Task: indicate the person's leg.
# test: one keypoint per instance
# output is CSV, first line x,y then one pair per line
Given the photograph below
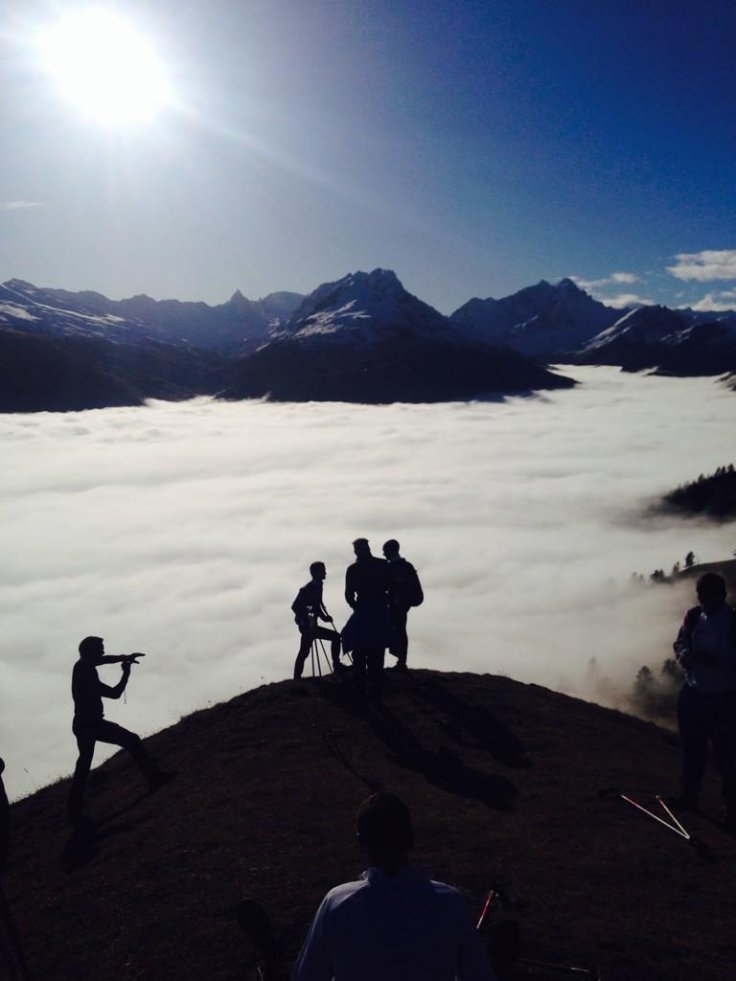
x,y
400,637
109,732
323,633
722,725
359,667
86,746
375,658
693,726
301,657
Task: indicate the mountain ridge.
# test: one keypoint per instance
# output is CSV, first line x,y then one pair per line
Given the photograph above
x,y
361,338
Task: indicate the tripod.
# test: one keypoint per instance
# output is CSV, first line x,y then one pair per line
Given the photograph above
x,y
316,653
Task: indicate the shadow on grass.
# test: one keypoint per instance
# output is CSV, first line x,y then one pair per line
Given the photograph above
x,y
441,767
84,842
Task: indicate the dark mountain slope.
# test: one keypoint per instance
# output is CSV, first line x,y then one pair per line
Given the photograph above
x,y
510,784
365,338
671,341
49,373
545,321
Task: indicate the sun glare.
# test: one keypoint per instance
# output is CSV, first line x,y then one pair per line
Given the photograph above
x,y
105,67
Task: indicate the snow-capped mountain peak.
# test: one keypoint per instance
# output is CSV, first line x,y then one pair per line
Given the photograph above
x,y
363,307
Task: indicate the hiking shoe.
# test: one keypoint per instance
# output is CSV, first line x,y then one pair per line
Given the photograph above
x,y
401,667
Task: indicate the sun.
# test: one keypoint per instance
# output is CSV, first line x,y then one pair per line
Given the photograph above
x,y
105,67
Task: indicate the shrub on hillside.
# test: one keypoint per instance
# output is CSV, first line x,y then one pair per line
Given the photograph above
x,y
655,695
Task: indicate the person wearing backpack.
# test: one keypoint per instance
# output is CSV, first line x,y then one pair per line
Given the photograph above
x,y
706,709
405,591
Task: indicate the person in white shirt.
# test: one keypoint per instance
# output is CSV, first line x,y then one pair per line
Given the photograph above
x,y
706,709
394,923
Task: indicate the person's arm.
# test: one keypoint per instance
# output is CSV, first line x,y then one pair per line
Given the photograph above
x,y
4,822
115,691
349,588
321,609
297,606
314,962
683,644
118,658
685,649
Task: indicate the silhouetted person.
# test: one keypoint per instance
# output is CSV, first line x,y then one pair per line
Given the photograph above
x,y
308,608
706,709
368,631
90,726
404,591
4,821
394,923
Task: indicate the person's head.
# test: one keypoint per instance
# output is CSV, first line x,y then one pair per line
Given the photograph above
x,y
711,590
361,547
317,570
91,648
391,549
385,830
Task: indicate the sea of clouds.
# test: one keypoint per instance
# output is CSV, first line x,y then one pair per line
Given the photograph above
x,y
185,530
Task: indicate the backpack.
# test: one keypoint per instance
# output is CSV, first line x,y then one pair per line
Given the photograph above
x,y
413,593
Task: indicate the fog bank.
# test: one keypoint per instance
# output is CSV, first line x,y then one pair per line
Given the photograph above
x,y
185,531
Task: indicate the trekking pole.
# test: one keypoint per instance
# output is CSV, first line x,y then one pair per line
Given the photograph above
x,y
679,830
663,804
490,896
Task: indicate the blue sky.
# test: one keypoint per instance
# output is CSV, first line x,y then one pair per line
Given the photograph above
x,y
473,147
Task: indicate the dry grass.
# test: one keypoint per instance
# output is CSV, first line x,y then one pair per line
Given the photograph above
x,y
509,784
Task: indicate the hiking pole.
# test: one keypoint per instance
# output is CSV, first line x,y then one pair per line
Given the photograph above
x,y
504,944
663,804
490,896
679,830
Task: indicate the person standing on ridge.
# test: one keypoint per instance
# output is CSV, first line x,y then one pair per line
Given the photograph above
x,y
4,821
394,923
706,709
308,607
405,591
368,631
90,726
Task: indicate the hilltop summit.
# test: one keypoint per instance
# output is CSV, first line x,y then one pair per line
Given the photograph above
x,y
511,785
